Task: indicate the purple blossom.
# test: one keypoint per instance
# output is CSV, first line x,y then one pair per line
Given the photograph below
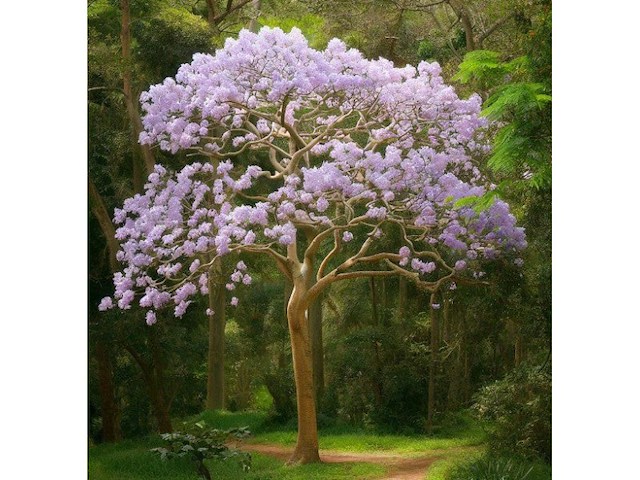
x,y
234,301
460,265
150,317
236,276
422,267
427,139
105,304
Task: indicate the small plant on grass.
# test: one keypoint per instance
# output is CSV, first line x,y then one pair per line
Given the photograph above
x,y
199,443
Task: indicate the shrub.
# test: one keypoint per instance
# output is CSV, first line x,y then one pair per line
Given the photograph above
x,y
518,411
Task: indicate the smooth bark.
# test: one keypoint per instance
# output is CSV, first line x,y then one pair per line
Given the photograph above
x,y
306,449
217,322
433,363
317,348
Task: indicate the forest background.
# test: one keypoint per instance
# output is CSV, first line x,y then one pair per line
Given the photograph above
x,y
60,255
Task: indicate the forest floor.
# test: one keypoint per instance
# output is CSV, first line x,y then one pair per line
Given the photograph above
x,y
399,467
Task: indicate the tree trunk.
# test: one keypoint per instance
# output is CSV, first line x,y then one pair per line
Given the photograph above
x,y
110,416
402,298
159,406
317,348
306,450
433,363
395,35
465,18
374,301
211,12
384,301
253,24
131,101
517,351
215,363
157,390
314,315
466,367
446,320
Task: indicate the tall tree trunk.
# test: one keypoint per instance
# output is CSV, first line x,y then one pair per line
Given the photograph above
x,y
217,321
446,319
314,316
110,412
160,407
466,366
395,34
110,415
433,362
253,24
211,12
374,301
516,331
131,101
157,387
465,18
402,298
517,351
306,450
317,347
384,302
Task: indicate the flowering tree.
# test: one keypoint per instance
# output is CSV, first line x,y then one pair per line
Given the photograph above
x,y
348,153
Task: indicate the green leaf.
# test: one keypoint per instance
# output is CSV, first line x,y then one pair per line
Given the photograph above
x,y
481,65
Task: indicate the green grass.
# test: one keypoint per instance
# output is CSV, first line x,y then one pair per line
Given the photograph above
x,y
347,438
443,469
132,460
440,468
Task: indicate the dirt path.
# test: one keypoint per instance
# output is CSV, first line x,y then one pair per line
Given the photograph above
x,y
399,467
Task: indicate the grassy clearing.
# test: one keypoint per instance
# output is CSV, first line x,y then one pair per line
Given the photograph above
x,y
132,460
440,468
347,438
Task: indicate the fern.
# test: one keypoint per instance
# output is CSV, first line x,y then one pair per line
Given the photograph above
x,y
521,110
515,98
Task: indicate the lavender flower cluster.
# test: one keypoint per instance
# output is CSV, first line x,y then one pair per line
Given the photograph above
x,y
416,160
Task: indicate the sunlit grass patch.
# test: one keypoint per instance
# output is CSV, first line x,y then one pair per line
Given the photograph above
x,y
132,460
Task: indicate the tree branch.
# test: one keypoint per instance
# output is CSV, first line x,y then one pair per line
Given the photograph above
x,y
230,9
99,210
494,27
